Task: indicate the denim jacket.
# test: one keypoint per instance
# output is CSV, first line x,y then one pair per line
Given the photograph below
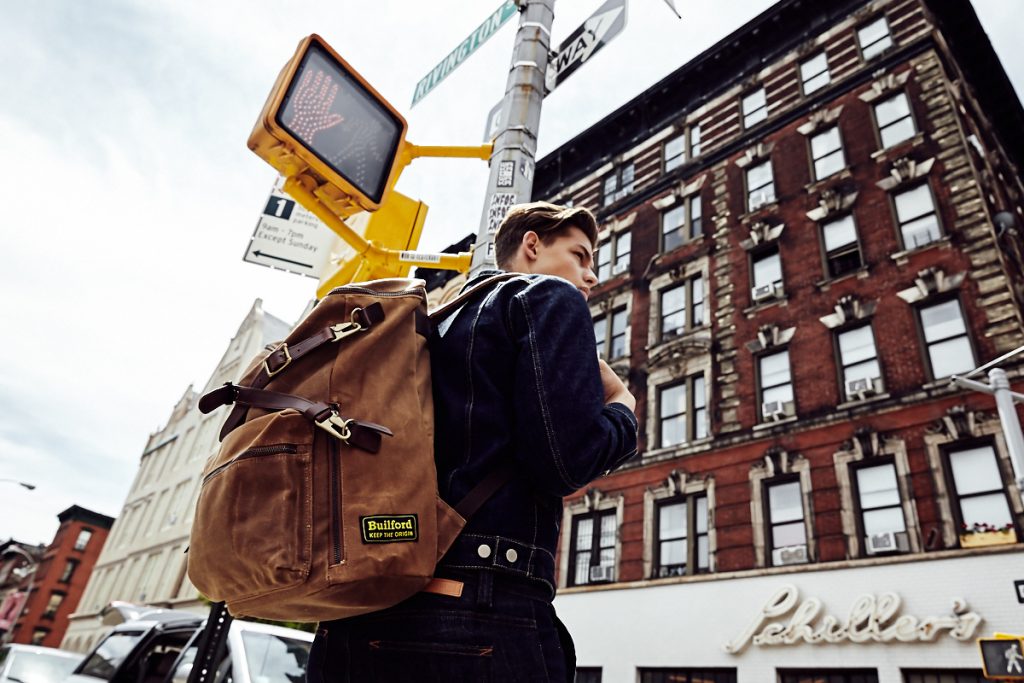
x,y
515,376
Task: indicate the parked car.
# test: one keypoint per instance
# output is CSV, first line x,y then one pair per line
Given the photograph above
x,y
34,664
159,646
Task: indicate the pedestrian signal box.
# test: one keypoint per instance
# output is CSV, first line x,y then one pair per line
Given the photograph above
x,y
324,120
1003,657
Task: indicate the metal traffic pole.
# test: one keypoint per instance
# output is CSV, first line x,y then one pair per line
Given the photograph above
x,y
515,148
999,387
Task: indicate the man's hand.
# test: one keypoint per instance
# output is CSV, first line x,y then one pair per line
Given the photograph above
x,y
614,390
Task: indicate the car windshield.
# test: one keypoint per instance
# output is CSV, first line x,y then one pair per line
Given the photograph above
x,y
40,667
274,658
110,653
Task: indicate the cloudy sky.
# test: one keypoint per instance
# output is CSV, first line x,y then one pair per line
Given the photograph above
x,y
129,196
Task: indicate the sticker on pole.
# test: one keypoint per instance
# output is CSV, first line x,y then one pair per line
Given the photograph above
x,y
501,202
418,256
290,238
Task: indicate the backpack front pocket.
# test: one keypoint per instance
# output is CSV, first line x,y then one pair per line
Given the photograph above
x,y
252,532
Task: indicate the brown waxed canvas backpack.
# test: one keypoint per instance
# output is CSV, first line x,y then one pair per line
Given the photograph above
x,y
322,501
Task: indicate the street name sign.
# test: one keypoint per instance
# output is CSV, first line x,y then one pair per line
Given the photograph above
x,y
603,25
290,238
467,47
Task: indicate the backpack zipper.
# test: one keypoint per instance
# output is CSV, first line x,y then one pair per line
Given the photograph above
x,y
355,289
255,452
335,467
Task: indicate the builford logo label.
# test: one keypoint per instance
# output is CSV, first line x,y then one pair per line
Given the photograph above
x,y
389,528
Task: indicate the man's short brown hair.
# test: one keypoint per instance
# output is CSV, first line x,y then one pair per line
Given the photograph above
x,y
549,221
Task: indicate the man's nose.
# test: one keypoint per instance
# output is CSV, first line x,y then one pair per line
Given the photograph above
x,y
589,278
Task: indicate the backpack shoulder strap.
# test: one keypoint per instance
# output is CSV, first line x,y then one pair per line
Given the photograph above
x,y
445,310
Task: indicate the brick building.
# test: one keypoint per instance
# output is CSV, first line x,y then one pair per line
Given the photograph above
x,y
799,247
60,577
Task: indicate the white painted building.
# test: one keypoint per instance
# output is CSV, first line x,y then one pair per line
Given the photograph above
x,y
896,620
143,560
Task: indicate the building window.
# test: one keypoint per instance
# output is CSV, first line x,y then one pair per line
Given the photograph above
x,y
694,134
787,534
681,223
83,539
755,108
842,251
613,255
587,674
945,675
915,212
69,571
979,490
618,184
611,342
814,73
682,412
593,547
766,268
53,605
681,148
859,361
776,385
874,38
39,635
882,523
687,675
682,536
675,302
945,335
895,123
827,153
829,676
760,186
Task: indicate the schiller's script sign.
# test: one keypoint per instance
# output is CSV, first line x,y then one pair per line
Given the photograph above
x,y
871,619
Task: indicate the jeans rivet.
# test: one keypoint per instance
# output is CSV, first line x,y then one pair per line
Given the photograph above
x,y
484,551
511,555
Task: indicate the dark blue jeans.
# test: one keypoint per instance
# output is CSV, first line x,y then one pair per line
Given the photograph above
x,y
502,628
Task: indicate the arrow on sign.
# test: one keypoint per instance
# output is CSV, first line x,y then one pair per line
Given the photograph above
x,y
278,258
594,34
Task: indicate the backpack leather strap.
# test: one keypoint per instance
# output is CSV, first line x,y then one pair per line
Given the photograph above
x,y
443,311
487,487
285,354
356,433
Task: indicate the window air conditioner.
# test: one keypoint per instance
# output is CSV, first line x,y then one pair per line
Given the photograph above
x,y
764,292
863,386
790,554
602,573
620,268
888,542
773,410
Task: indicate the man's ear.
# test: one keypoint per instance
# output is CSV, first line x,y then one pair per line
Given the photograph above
x,y
530,244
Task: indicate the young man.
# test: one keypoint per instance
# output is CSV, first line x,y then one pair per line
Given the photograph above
x,y
516,379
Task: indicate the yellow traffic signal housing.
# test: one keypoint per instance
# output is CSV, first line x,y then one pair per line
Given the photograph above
x,y
394,230
324,120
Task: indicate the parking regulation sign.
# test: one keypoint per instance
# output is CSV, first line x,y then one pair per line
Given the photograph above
x,y
288,237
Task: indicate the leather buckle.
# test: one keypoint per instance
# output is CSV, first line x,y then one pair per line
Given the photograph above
x,y
336,426
286,363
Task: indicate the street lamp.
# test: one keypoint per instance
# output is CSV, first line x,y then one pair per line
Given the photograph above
x,y
30,487
30,575
999,387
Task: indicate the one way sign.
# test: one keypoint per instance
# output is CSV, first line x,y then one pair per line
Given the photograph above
x,y
603,25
